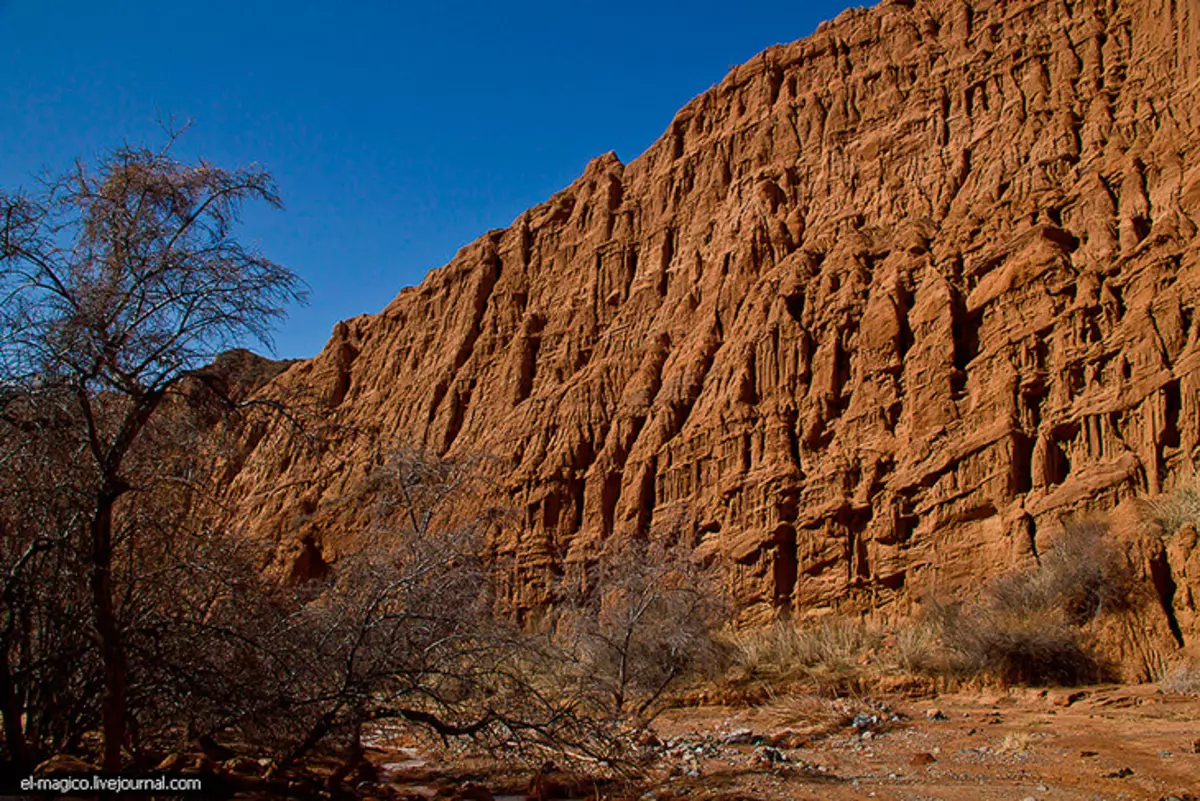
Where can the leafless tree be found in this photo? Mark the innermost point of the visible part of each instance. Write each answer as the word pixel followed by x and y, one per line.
pixel 403 630
pixel 47 675
pixel 118 284
pixel 636 621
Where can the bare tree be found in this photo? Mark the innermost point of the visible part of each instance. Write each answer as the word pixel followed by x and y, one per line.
pixel 402 631
pixel 638 620
pixel 47 674
pixel 118 283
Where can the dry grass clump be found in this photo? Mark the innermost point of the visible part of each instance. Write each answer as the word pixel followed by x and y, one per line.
pixel 1174 510
pixel 836 656
pixel 1030 627
pixel 786 647
pixel 917 648
pixel 1182 680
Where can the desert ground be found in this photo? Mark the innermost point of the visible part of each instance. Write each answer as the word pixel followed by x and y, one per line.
pixel 1103 742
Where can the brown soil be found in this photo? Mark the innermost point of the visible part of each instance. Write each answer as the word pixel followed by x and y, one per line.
pixel 1098 743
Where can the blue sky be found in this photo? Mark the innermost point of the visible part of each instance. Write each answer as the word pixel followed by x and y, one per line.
pixel 398 132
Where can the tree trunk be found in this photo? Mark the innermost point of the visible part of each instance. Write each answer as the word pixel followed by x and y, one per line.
pixel 112 651
pixel 315 735
pixel 10 710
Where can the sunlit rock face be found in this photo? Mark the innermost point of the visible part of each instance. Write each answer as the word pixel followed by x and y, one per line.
pixel 873 317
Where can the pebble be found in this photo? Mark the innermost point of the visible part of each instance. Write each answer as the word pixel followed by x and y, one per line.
pixel 862 721
pixel 768 755
pixel 739 737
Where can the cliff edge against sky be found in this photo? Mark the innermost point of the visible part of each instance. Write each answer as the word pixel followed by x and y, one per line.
pixel 873 317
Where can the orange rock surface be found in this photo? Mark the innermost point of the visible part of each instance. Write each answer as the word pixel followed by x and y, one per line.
pixel 872 318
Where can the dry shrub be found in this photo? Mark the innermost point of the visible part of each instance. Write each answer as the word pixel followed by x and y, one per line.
pixel 784 648
pixel 1020 648
pixel 1086 575
pixel 634 625
pixel 1028 627
pixel 1176 509
pixel 1182 680
pixel 836 656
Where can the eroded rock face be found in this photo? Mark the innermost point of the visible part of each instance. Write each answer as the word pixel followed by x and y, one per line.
pixel 871 319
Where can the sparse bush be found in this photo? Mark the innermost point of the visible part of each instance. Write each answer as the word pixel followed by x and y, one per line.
pixel 1173 510
pixel 634 624
pixel 1021 648
pixel 1084 576
pixel 1182 680
pixel 1027 627
pixel 401 632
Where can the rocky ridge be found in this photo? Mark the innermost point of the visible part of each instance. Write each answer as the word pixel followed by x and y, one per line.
pixel 874 316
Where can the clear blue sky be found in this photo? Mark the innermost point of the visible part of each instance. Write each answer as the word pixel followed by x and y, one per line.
pixel 398 132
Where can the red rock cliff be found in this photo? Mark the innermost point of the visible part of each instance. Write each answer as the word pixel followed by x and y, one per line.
pixel 875 314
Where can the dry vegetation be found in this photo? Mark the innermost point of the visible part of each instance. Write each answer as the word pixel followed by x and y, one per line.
pixel 130 628
pixel 1027 627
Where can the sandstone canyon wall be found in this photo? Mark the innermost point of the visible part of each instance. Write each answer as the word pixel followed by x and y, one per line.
pixel 873 317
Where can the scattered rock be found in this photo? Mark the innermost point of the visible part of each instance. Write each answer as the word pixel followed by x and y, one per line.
pixel 1123 773
pixel 864 721
pixel 769 756
pixel 739 737
pixel 935 714
pixel 922 758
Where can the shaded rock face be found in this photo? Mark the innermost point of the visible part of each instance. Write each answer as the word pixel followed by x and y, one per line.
pixel 871 319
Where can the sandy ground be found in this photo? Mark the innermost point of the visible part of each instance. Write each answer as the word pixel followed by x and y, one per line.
pixel 1098 743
